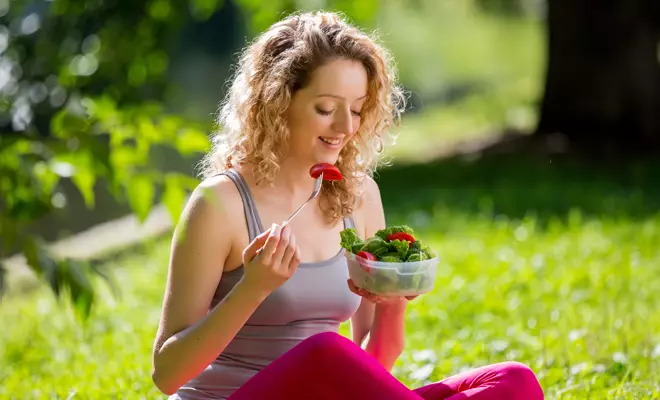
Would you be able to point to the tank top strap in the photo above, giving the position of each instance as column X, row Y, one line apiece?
column 252, row 218
column 251, row 215
column 349, row 222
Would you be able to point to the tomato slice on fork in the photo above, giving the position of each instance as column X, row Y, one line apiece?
column 330, row 172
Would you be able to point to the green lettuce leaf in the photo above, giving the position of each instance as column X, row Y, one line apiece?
column 376, row 246
column 350, row 239
column 356, row 247
column 384, row 233
column 400, row 247
column 427, row 251
column 390, row 258
column 392, row 251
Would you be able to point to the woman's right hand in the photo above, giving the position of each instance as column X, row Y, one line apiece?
column 270, row 259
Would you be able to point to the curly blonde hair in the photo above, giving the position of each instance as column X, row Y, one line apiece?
column 271, row 69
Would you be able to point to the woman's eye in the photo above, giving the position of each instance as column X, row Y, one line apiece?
column 323, row 112
column 357, row 113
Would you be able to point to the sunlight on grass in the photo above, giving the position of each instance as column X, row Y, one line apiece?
column 46, row 354
column 575, row 302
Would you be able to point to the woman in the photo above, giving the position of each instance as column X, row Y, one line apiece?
column 252, row 313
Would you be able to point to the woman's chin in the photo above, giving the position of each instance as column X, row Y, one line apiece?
column 325, row 158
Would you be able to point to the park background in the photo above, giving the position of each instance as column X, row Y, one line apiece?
column 528, row 158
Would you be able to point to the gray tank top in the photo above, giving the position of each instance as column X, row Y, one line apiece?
column 315, row 299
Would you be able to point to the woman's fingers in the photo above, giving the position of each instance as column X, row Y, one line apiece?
column 271, row 243
column 295, row 261
column 282, row 245
column 372, row 297
column 289, row 252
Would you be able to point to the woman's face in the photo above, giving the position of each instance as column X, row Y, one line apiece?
column 325, row 114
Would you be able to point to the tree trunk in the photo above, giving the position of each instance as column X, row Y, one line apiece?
column 603, row 75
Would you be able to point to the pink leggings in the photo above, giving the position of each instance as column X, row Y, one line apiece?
column 328, row 366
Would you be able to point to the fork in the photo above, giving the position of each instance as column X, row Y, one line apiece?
column 315, row 192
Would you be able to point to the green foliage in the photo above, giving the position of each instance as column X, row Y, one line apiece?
column 103, row 143
column 80, row 101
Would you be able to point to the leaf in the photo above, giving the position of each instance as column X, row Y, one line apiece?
column 84, row 180
column 66, row 124
column 191, row 141
column 81, row 290
column 107, row 277
column 140, row 190
column 123, row 158
column 148, row 130
column 80, row 166
column 103, row 109
column 174, row 196
column 41, row 262
column 8, row 231
column 143, row 145
column 45, row 177
column 187, row 181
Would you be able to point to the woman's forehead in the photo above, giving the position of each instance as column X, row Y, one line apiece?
column 340, row 80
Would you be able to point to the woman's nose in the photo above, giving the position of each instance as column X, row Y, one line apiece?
column 344, row 122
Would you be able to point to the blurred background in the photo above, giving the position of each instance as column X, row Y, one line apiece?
column 528, row 155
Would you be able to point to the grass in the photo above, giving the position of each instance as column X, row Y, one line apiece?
column 551, row 264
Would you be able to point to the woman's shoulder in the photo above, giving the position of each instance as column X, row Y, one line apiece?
column 368, row 192
column 213, row 202
column 368, row 204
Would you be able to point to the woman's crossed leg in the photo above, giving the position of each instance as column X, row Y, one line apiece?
column 328, row 366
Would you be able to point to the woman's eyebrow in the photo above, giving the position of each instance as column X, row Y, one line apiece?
column 338, row 97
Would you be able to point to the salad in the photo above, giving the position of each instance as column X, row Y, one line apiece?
column 392, row 244
column 411, row 268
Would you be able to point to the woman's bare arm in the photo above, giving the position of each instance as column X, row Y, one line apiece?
column 190, row 337
column 378, row 328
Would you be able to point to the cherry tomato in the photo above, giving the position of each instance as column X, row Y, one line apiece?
column 362, row 257
column 367, row 255
column 401, row 236
column 330, row 172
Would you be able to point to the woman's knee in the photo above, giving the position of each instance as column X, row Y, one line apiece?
column 520, row 380
column 325, row 343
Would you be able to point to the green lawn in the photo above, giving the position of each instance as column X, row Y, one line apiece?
column 542, row 262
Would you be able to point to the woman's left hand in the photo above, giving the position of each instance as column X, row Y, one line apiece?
column 375, row 298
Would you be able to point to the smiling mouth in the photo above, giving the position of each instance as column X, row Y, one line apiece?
column 333, row 141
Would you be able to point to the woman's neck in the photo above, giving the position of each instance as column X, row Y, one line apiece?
column 292, row 180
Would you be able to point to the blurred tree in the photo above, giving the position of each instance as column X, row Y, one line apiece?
column 81, row 84
column 602, row 86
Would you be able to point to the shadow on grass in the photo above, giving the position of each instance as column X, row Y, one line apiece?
column 518, row 186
